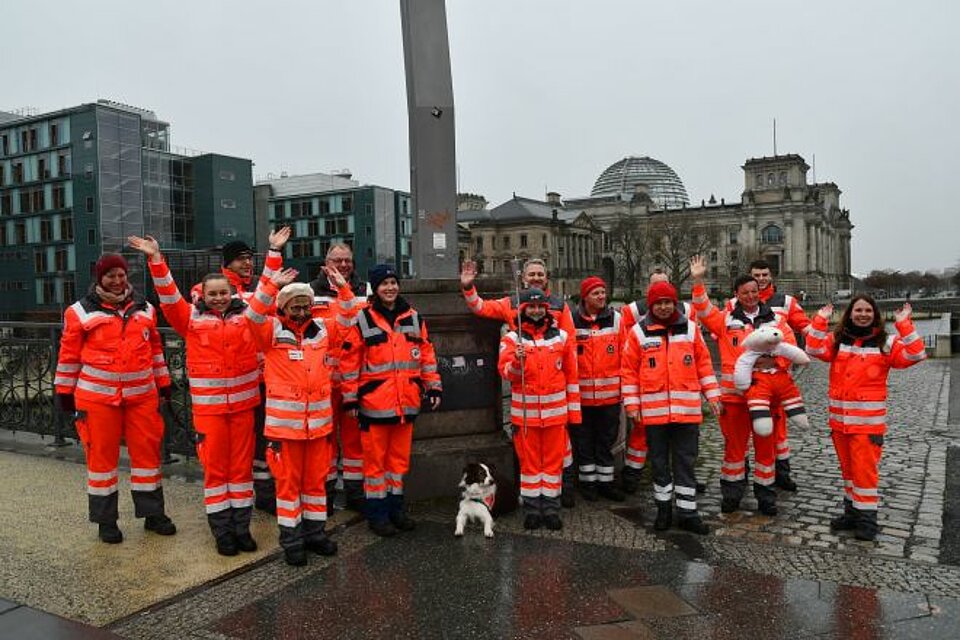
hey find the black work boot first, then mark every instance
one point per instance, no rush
(785, 482)
(321, 545)
(227, 544)
(589, 491)
(553, 522)
(383, 528)
(847, 521)
(610, 491)
(729, 505)
(161, 525)
(110, 533)
(767, 507)
(630, 480)
(866, 527)
(295, 556)
(567, 501)
(398, 514)
(532, 521)
(245, 542)
(694, 524)
(664, 515)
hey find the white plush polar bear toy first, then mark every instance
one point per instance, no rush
(769, 387)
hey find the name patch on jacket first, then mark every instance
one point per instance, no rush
(652, 343)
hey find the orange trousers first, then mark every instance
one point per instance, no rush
(299, 468)
(347, 450)
(225, 449)
(101, 429)
(636, 456)
(541, 451)
(859, 455)
(386, 458)
(737, 429)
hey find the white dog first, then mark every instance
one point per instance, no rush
(478, 493)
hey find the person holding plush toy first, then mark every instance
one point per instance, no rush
(773, 387)
(732, 328)
(861, 355)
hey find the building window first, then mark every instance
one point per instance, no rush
(759, 179)
(228, 203)
(6, 204)
(227, 176)
(40, 261)
(46, 230)
(733, 238)
(324, 206)
(347, 203)
(278, 211)
(54, 135)
(17, 173)
(42, 172)
(478, 243)
(506, 242)
(771, 234)
(783, 177)
(543, 241)
(59, 197)
(69, 290)
(369, 231)
(89, 204)
(313, 228)
(91, 236)
(60, 260)
(62, 169)
(770, 178)
(66, 228)
(523, 241)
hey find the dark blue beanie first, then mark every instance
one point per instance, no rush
(379, 273)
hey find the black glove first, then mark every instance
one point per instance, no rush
(434, 393)
(166, 393)
(574, 425)
(64, 402)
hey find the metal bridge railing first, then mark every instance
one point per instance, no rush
(28, 362)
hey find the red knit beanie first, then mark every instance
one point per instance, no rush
(659, 291)
(589, 284)
(107, 262)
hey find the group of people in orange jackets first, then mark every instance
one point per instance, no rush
(571, 370)
(305, 366)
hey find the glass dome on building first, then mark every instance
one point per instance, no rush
(663, 183)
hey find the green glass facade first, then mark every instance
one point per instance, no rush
(375, 222)
(76, 182)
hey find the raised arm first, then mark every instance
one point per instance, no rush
(708, 315)
(907, 348)
(501, 309)
(819, 339)
(258, 311)
(175, 309)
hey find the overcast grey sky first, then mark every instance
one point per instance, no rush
(548, 93)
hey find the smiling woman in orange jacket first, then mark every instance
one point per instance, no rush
(224, 373)
(109, 371)
(388, 365)
(861, 355)
(540, 362)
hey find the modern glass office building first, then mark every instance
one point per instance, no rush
(376, 222)
(75, 183)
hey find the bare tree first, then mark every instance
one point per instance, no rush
(630, 243)
(676, 238)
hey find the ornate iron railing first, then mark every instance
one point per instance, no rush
(28, 361)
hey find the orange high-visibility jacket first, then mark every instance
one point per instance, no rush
(598, 356)
(327, 307)
(783, 304)
(505, 309)
(387, 368)
(244, 289)
(858, 373)
(108, 355)
(636, 310)
(665, 371)
(222, 364)
(298, 370)
(730, 328)
(547, 392)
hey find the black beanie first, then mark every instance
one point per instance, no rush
(235, 249)
(379, 273)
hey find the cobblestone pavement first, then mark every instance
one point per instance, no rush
(912, 473)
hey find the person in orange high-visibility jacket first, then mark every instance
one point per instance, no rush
(299, 420)
(598, 368)
(540, 362)
(666, 368)
(636, 454)
(387, 364)
(109, 371)
(787, 307)
(224, 376)
(533, 274)
(731, 327)
(349, 463)
(861, 355)
(238, 270)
